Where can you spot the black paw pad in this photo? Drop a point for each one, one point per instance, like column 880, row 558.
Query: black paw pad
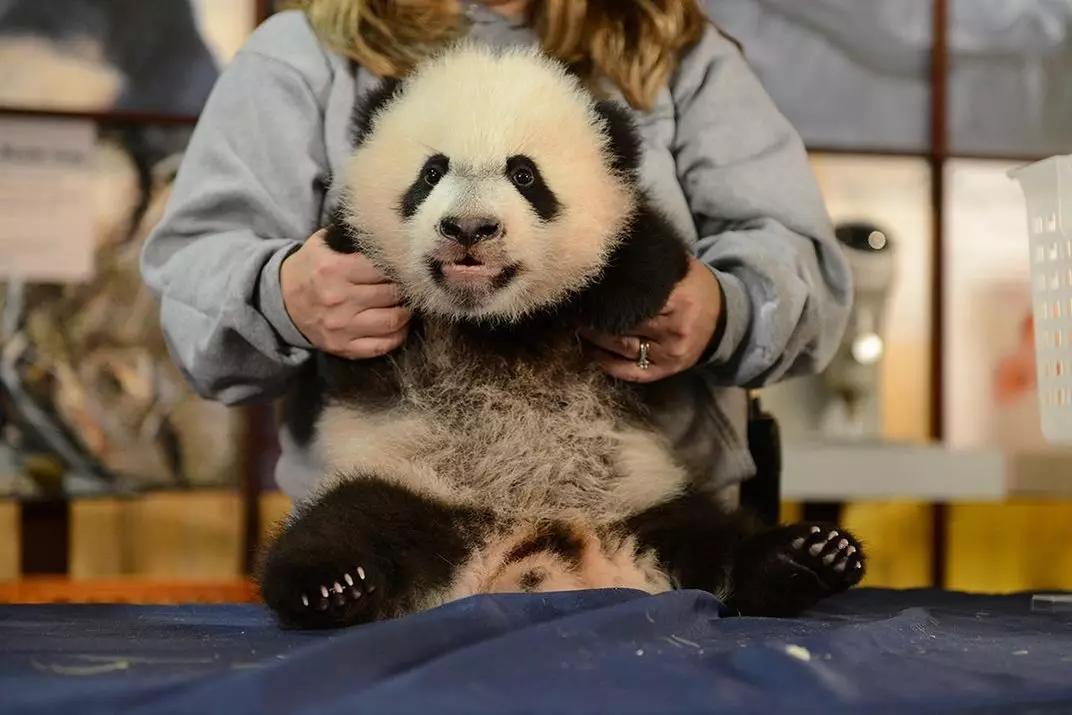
column 321, row 595
column 344, row 591
column 833, row 555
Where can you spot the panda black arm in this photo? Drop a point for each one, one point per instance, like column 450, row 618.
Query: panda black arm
column 371, row 384
column 368, row 382
column 639, row 277
column 651, row 257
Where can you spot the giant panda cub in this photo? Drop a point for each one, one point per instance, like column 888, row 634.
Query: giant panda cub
column 489, row 453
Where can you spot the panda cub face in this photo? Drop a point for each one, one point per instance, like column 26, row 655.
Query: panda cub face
column 486, row 185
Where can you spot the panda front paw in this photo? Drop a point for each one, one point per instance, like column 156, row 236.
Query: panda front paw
column 784, row 571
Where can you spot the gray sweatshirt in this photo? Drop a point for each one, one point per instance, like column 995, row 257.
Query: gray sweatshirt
column 719, row 158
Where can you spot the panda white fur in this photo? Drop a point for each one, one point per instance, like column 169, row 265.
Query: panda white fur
column 488, row 454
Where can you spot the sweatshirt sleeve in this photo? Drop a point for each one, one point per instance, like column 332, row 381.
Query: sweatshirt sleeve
column 248, row 192
column 763, row 226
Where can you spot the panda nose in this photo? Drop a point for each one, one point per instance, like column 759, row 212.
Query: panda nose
column 469, row 230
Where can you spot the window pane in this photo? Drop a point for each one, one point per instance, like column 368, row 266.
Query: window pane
column 893, row 194
column 1009, row 93
column 849, row 74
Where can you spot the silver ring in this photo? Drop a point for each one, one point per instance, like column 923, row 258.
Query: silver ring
column 642, row 361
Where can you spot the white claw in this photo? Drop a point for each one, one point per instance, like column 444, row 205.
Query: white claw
column 850, row 551
column 348, row 578
column 324, row 591
column 815, row 529
column 338, row 587
column 361, row 573
column 305, row 600
column 831, row 536
column 814, row 550
column 797, row 543
column 858, row 564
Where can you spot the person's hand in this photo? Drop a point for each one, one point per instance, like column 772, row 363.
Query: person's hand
column 675, row 339
column 341, row 303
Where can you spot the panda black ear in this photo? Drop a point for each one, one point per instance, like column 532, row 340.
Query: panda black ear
column 640, row 274
column 367, row 106
column 625, row 142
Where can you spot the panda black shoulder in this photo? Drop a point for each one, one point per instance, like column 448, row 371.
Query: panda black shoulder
column 649, row 261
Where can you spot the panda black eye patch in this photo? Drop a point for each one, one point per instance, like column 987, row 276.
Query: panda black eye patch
column 433, row 171
column 522, row 172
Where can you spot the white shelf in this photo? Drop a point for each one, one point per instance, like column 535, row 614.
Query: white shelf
column 872, row 472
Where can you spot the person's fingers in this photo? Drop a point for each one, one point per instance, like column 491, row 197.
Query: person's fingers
column 378, row 322
column 358, row 269
column 343, row 326
column 380, row 295
column 367, row 348
column 626, row 346
column 657, row 329
column 349, row 299
column 628, row 370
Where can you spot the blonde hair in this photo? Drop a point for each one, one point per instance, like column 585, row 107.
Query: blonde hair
column 635, row 44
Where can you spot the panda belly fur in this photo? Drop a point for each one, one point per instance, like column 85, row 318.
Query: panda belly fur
column 547, row 440
column 534, row 440
column 489, row 453
column 458, row 470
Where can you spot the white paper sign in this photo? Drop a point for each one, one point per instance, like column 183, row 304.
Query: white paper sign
column 46, row 199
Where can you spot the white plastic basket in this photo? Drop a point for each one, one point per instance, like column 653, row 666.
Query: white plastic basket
column 1047, row 188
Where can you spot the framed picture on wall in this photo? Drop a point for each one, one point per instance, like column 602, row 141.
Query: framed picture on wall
column 89, row 385
column 88, row 379
column 156, row 57
column 1009, row 64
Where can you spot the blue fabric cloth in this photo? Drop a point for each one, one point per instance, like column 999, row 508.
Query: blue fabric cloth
column 591, row 652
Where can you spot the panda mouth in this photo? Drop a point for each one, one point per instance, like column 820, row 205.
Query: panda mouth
column 468, row 269
column 471, row 273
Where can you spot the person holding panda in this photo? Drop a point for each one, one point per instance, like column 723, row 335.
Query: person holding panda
column 249, row 288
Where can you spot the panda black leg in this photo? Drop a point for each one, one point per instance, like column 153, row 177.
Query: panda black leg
column 774, row 572
column 783, row 571
column 695, row 537
column 364, row 551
